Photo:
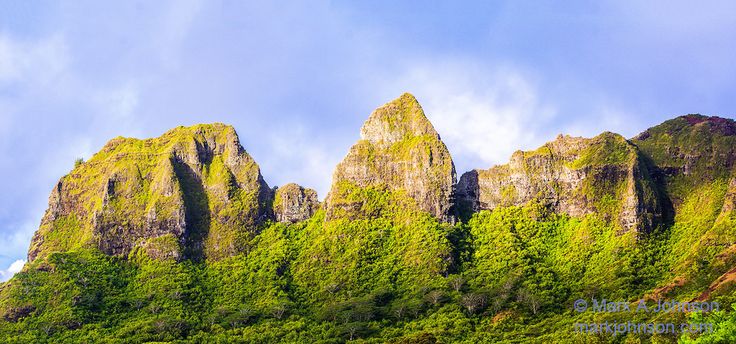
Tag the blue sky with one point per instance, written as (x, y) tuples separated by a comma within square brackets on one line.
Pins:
[(297, 79)]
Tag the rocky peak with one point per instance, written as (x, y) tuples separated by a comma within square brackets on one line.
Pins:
[(396, 121), (192, 192), (294, 203), (399, 149)]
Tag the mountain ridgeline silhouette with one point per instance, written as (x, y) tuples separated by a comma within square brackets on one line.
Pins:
[(180, 239)]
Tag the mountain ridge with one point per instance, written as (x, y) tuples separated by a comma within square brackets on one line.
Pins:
[(402, 120), (180, 239)]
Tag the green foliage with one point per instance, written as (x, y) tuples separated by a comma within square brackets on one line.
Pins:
[(532, 259), (724, 328), (401, 276), (605, 150), (379, 269)]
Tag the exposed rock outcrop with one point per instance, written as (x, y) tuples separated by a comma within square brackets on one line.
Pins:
[(193, 192), (572, 175), (293, 203), (729, 201), (398, 149), (689, 151)]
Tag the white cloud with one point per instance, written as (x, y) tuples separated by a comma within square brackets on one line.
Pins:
[(175, 26), (605, 115), (119, 103), (51, 115), (32, 62), (296, 155), (482, 114), (16, 238), (61, 97), (14, 268)]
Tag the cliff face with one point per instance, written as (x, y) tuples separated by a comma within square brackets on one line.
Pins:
[(695, 159), (400, 150), (193, 192), (294, 203), (694, 154), (572, 175), (689, 151)]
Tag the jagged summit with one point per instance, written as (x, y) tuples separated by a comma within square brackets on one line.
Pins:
[(195, 192), (192, 192), (399, 149), (397, 120)]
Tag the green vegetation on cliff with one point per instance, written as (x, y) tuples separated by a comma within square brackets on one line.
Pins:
[(506, 275), (178, 239), (195, 183), (606, 176), (399, 150)]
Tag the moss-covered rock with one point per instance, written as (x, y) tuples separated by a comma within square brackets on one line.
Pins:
[(690, 150), (605, 175), (399, 149), (293, 203), (194, 185)]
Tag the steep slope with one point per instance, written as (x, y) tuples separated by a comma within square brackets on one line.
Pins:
[(604, 175), (690, 149), (193, 192), (695, 158), (400, 150), (381, 228)]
